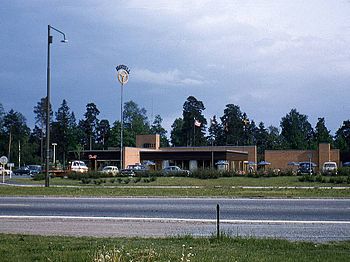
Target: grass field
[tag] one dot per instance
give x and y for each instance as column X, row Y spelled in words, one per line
column 40, row 248
column 221, row 187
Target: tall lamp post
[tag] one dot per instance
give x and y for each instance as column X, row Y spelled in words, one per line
column 123, row 78
column 49, row 42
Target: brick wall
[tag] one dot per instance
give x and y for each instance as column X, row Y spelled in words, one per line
column 131, row 156
column 281, row 158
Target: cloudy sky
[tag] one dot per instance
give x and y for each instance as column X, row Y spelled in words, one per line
column 265, row 56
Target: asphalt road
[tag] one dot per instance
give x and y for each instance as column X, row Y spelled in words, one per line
column 294, row 219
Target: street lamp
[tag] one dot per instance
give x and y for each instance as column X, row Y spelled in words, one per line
column 49, row 41
column 123, row 78
column 54, row 153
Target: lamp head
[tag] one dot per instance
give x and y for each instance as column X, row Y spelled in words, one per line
column 64, row 41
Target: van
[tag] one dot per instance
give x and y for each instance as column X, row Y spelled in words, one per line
column 78, row 166
column 329, row 168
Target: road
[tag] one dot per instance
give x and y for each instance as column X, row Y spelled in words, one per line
column 316, row 220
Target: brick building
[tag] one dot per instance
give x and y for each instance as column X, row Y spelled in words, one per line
column 280, row 158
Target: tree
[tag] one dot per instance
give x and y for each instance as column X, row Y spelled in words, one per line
column 322, row 134
column 40, row 111
column 342, row 136
column 89, row 125
column 63, row 131
column 17, row 131
column 233, row 124
column 176, row 135
column 135, row 123
column 215, row 132
column 103, row 133
column 296, row 130
column 262, row 136
column 194, row 122
column 156, row 128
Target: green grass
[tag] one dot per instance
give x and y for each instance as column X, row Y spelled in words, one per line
column 188, row 181
column 209, row 191
column 40, row 248
column 221, row 187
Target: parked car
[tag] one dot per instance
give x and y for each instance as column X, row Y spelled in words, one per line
column 346, row 164
column 133, row 170
column 111, row 170
column 174, row 170
column 329, row 168
column 24, row 170
column 306, row 168
column 34, row 169
column 78, row 166
column 6, row 171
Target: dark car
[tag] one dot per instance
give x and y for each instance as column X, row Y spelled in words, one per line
column 24, row 170
column 34, row 169
column 306, row 168
column 174, row 170
column 133, row 170
column 346, row 164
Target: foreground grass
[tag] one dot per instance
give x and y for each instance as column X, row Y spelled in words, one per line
column 189, row 181
column 40, row 248
column 207, row 191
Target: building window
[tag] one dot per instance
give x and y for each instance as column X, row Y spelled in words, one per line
column 149, row 145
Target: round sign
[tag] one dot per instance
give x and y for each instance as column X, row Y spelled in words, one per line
column 123, row 76
column 3, row 160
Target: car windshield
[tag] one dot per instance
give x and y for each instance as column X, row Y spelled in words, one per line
column 81, row 163
column 33, row 167
column 329, row 165
column 107, row 168
column 305, row 165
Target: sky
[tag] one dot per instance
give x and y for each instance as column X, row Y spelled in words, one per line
column 265, row 56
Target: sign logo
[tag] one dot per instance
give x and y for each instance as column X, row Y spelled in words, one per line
column 3, row 160
column 123, row 74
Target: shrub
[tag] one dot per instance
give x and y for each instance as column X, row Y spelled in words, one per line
column 137, row 179
column 112, row 180
column 344, row 171
column 39, row 176
column 339, row 180
column 206, row 174
column 86, row 181
column 152, row 179
column 127, row 180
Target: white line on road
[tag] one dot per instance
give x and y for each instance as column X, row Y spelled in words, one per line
column 165, row 219
column 14, row 205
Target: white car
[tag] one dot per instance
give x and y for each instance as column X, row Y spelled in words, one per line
column 78, row 166
column 112, row 170
column 6, row 171
column 329, row 168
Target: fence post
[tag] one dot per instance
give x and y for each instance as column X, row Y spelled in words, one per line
column 218, row 221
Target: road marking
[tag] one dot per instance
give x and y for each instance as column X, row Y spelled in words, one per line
column 166, row 219
column 14, row 205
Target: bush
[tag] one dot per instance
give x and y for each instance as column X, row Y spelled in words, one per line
column 307, row 178
column 86, row 181
column 91, row 174
column 137, row 179
column 206, row 174
column 344, row 171
column 39, row 176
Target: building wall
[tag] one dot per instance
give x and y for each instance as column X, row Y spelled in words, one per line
column 151, row 141
column 281, row 158
column 131, row 156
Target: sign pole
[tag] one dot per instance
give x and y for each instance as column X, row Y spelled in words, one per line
column 123, row 78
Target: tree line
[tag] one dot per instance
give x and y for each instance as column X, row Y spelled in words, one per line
column 234, row 127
